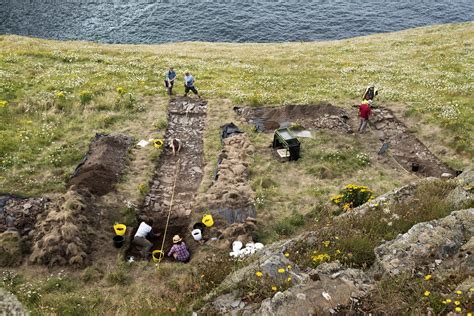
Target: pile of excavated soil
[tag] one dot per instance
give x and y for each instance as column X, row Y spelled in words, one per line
column 231, row 196
column 103, row 164
column 64, row 234
column 20, row 213
column 404, row 146
column 322, row 115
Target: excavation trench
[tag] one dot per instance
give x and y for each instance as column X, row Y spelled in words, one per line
column 407, row 150
column 181, row 173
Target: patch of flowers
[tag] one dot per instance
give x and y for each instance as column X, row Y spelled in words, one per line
column 352, row 196
column 363, row 159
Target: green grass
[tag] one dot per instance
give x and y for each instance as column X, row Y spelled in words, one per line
column 59, row 94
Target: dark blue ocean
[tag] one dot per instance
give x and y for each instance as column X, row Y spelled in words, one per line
column 163, row 21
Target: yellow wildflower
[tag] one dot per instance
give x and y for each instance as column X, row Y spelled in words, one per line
column 60, row 94
column 286, row 254
column 458, row 292
column 458, row 309
column 427, row 293
column 457, row 303
column 428, row 277
column 471, row 289
column 338, row 251
column 289, row 279
column 288, row 267
column 469, row 314
column 259, row 274
column 326, row 243
column 444, row 302
column 120, row 90
column 281, row 270
column 274, row 288
column 3, row 104
column 448, row 300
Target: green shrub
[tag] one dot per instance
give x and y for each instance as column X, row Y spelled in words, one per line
column 85, row 97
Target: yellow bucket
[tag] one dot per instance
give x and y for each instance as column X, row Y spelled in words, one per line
column 120, row 229
column 157, row 143
column 208, row 220
column 157, row 255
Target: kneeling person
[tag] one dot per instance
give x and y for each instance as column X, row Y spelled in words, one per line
column 144, row 231
column 179, row 250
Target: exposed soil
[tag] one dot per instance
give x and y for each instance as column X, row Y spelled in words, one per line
column 403, row 146
column 407, row 150
column 103, row 164
column 322, row 115
column 186, row 122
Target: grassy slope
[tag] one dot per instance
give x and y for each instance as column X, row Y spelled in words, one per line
column 43, row 134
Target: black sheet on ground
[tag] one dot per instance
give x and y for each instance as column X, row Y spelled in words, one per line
column 229, row 130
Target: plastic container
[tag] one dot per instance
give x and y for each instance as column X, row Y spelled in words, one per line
column 236, row 246
column 196, row 234
column 120, row 229
column 157, row 255
column 118, row 241
column 199, row 226
column 157, row 143
column 208, row 220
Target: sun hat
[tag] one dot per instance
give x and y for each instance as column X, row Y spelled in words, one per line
column 176, row 239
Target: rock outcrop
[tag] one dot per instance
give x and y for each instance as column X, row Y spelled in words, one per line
column 426, row 242
column 9, row 304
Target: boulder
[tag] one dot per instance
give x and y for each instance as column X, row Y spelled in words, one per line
column 426, row 242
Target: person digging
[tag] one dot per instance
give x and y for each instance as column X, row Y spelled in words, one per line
column 140, row 239
column 189, row 85
column 179, row 251
column 364, row 113
column 170, row 77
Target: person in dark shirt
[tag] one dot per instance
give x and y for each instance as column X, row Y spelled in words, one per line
column 364, row 114
column 170, row 76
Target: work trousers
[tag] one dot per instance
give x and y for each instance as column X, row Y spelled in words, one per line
column 144, row 243
column 363, row 124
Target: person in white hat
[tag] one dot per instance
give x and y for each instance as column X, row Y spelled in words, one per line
column 179, row 250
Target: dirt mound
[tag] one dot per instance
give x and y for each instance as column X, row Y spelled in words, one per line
column 407, row 150
column 64, row 234
column 101, row 167
column 322, row 115
column 20, row 213
column 231, row 196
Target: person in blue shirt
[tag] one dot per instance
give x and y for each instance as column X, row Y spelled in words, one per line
column 170, row 76
column 189, row 84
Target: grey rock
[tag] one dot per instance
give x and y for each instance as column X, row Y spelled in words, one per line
column 9, row 304
column 426, row 242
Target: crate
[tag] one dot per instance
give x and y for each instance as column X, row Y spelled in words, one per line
column 285, row 145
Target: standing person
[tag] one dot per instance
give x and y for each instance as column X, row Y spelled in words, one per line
column 144, row 231
column 364, row 113
column 169, row 80
column 189, row 84
column 179, row 250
